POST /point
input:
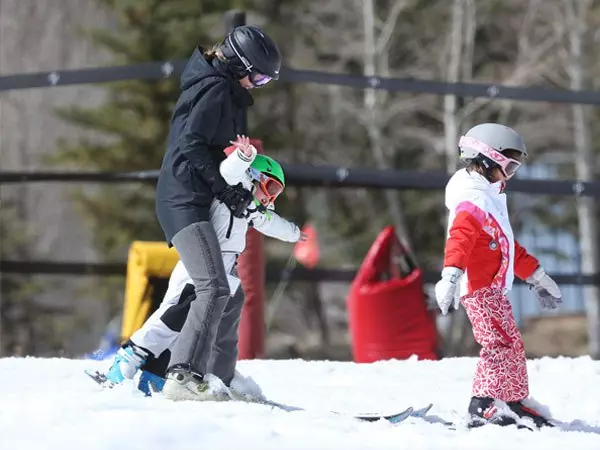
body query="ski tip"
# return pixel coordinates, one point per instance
(422, 411)
(98, 377)
(397, 418)
(392, 418)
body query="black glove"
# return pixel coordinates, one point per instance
(236, 198)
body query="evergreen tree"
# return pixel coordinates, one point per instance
(26, 327)
(12, 288)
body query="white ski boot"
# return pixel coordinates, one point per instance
(185, 384)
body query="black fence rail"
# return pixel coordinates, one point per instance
(157, 70)
(326, 176)
(274, 272)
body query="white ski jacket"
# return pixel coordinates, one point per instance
(231, 231)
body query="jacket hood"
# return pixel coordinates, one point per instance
(464, 185)
(196, 69)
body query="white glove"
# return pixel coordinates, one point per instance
(545, 289)
(446, 290)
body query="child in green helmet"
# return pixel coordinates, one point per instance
(148, 348)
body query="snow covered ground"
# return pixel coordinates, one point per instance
(50, 404)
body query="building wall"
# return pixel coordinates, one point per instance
(557, 251)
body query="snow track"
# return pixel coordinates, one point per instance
(50, 404)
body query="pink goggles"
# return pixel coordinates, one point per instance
(508, 165)
(259, 79)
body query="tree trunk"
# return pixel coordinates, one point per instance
(584, 166)
(451, 126)
(372, 109)
(458, 326)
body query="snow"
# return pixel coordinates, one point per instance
(50, 404)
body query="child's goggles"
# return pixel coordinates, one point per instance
(508, 166)
(269, 188)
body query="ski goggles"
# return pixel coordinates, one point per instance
(268, 188)
(508, 166)
(259, 79)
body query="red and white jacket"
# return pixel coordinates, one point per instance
(480, 239)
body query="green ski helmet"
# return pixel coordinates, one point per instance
(270, 177)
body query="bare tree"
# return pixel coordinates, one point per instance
(457, 323)
(451, 120)
(536, 43)
(531, 34)
(375, 57)
(576, 18)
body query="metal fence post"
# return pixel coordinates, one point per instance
(235, 19)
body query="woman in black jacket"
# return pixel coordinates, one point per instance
(215, 89)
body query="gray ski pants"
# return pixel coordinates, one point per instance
(225, 351)
(199, 250)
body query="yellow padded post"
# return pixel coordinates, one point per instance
(146, 259)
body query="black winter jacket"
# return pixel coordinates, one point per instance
(204, 120)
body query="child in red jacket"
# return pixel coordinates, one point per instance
(481, 260)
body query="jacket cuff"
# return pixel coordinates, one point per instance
(452, 273)
(536, 276)
(297, 233)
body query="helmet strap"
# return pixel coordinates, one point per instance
(241, 69)
(242, 58)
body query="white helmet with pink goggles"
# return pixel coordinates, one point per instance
(489, 140)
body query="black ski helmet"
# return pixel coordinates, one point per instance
(248, 48)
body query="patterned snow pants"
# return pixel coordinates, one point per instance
(502, 368)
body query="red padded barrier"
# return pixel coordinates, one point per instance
(388, 315)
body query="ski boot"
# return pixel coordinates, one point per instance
(526, 412)
(183, 383)
(126, 363)
(486, 410)
(150, 383)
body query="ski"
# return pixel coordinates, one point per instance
(422, 412)
(398, 417)
(433, 420)
(394, 418)
(368, 417)
(99, 378)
